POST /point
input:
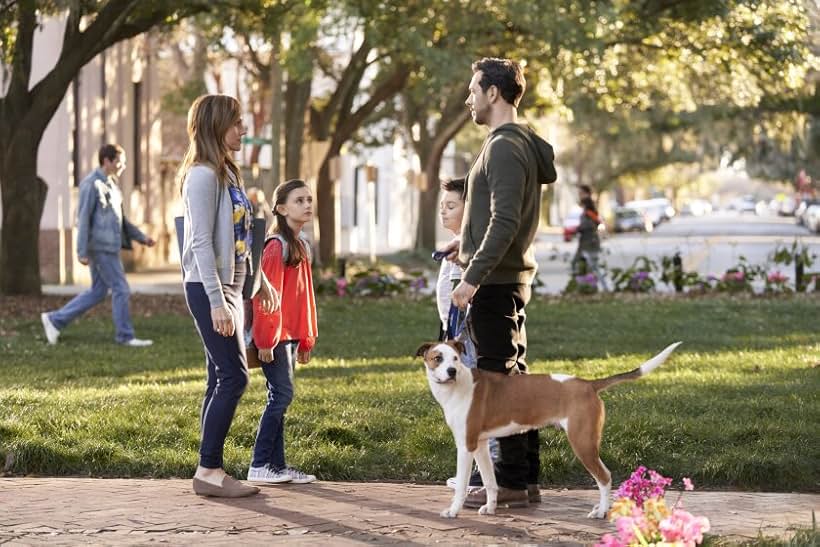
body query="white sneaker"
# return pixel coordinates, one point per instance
(52, 332)
(297, 477)
(266, 474)
(138, 343)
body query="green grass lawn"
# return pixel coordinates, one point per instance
(736, 405)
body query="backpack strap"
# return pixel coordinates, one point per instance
(281, 239)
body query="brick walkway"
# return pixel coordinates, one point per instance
(62, 511)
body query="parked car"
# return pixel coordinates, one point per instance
(628, 219)
(696, 208)
(573, 220)
(788, 206)
(800, 212)
(656, 209)
(745, 204)
(812, 218)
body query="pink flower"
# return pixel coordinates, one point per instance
(687, 484)
(639, 487)
(626, 529)
(341, 286)
(683, 527)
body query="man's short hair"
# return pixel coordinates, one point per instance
(585, 188)
(504, 74)
(454, 185)
(110, 152)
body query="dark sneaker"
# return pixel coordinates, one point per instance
(533, 493)
(507, 497)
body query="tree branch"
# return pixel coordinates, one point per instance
(386, 89)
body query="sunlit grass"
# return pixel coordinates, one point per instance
(736, 405)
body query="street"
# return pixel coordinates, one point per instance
(707, 244)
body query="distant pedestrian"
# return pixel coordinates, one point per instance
(216, 251)
(102, 230)
(586, 259)
(287, 335)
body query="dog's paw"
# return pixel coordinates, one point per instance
(597, 512)
(449, 513)
(486, 510)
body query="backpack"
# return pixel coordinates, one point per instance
(281, 239)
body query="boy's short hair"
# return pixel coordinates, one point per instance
(109, 152)
(454, 185)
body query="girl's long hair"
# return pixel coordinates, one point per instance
(589, 205)
(209, 119)
(296, 251)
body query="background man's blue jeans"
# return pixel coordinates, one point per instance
(106, 273)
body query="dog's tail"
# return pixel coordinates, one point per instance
(643, 370)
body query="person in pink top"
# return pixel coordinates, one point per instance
(287, 335)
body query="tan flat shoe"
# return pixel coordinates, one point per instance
(231, 488)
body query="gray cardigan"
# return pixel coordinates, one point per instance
(209, 251)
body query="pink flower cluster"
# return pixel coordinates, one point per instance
(737, 277)
(777, 277)
(642, 517)
(643, 484)
(341, 286)
(683, 528)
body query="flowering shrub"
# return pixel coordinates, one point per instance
(777, 282)
(672, 275)
(739, 278)
(734, 281)
(642, 516)
(636, 278)
(370, 281)
(582, 284)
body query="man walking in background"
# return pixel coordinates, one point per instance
(102, 231)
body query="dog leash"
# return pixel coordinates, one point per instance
(456, 321)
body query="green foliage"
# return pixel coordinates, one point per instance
(797, 253)
(635, 278)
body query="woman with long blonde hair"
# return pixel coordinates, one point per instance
(215, 262)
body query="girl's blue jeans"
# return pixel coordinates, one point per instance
(269, 448)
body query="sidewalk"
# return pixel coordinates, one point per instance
(68, 511)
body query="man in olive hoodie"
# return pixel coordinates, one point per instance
(503, 198)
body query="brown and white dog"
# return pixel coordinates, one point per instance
(479, 405)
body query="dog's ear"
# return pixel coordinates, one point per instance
(423, 348)
(459, 346)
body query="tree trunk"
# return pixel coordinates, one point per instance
(326, 200)
(297, 96)
(23, 200)
(428, 205)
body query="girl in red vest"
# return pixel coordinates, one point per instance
(287, 335)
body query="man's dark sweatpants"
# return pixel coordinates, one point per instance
(496, 323)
